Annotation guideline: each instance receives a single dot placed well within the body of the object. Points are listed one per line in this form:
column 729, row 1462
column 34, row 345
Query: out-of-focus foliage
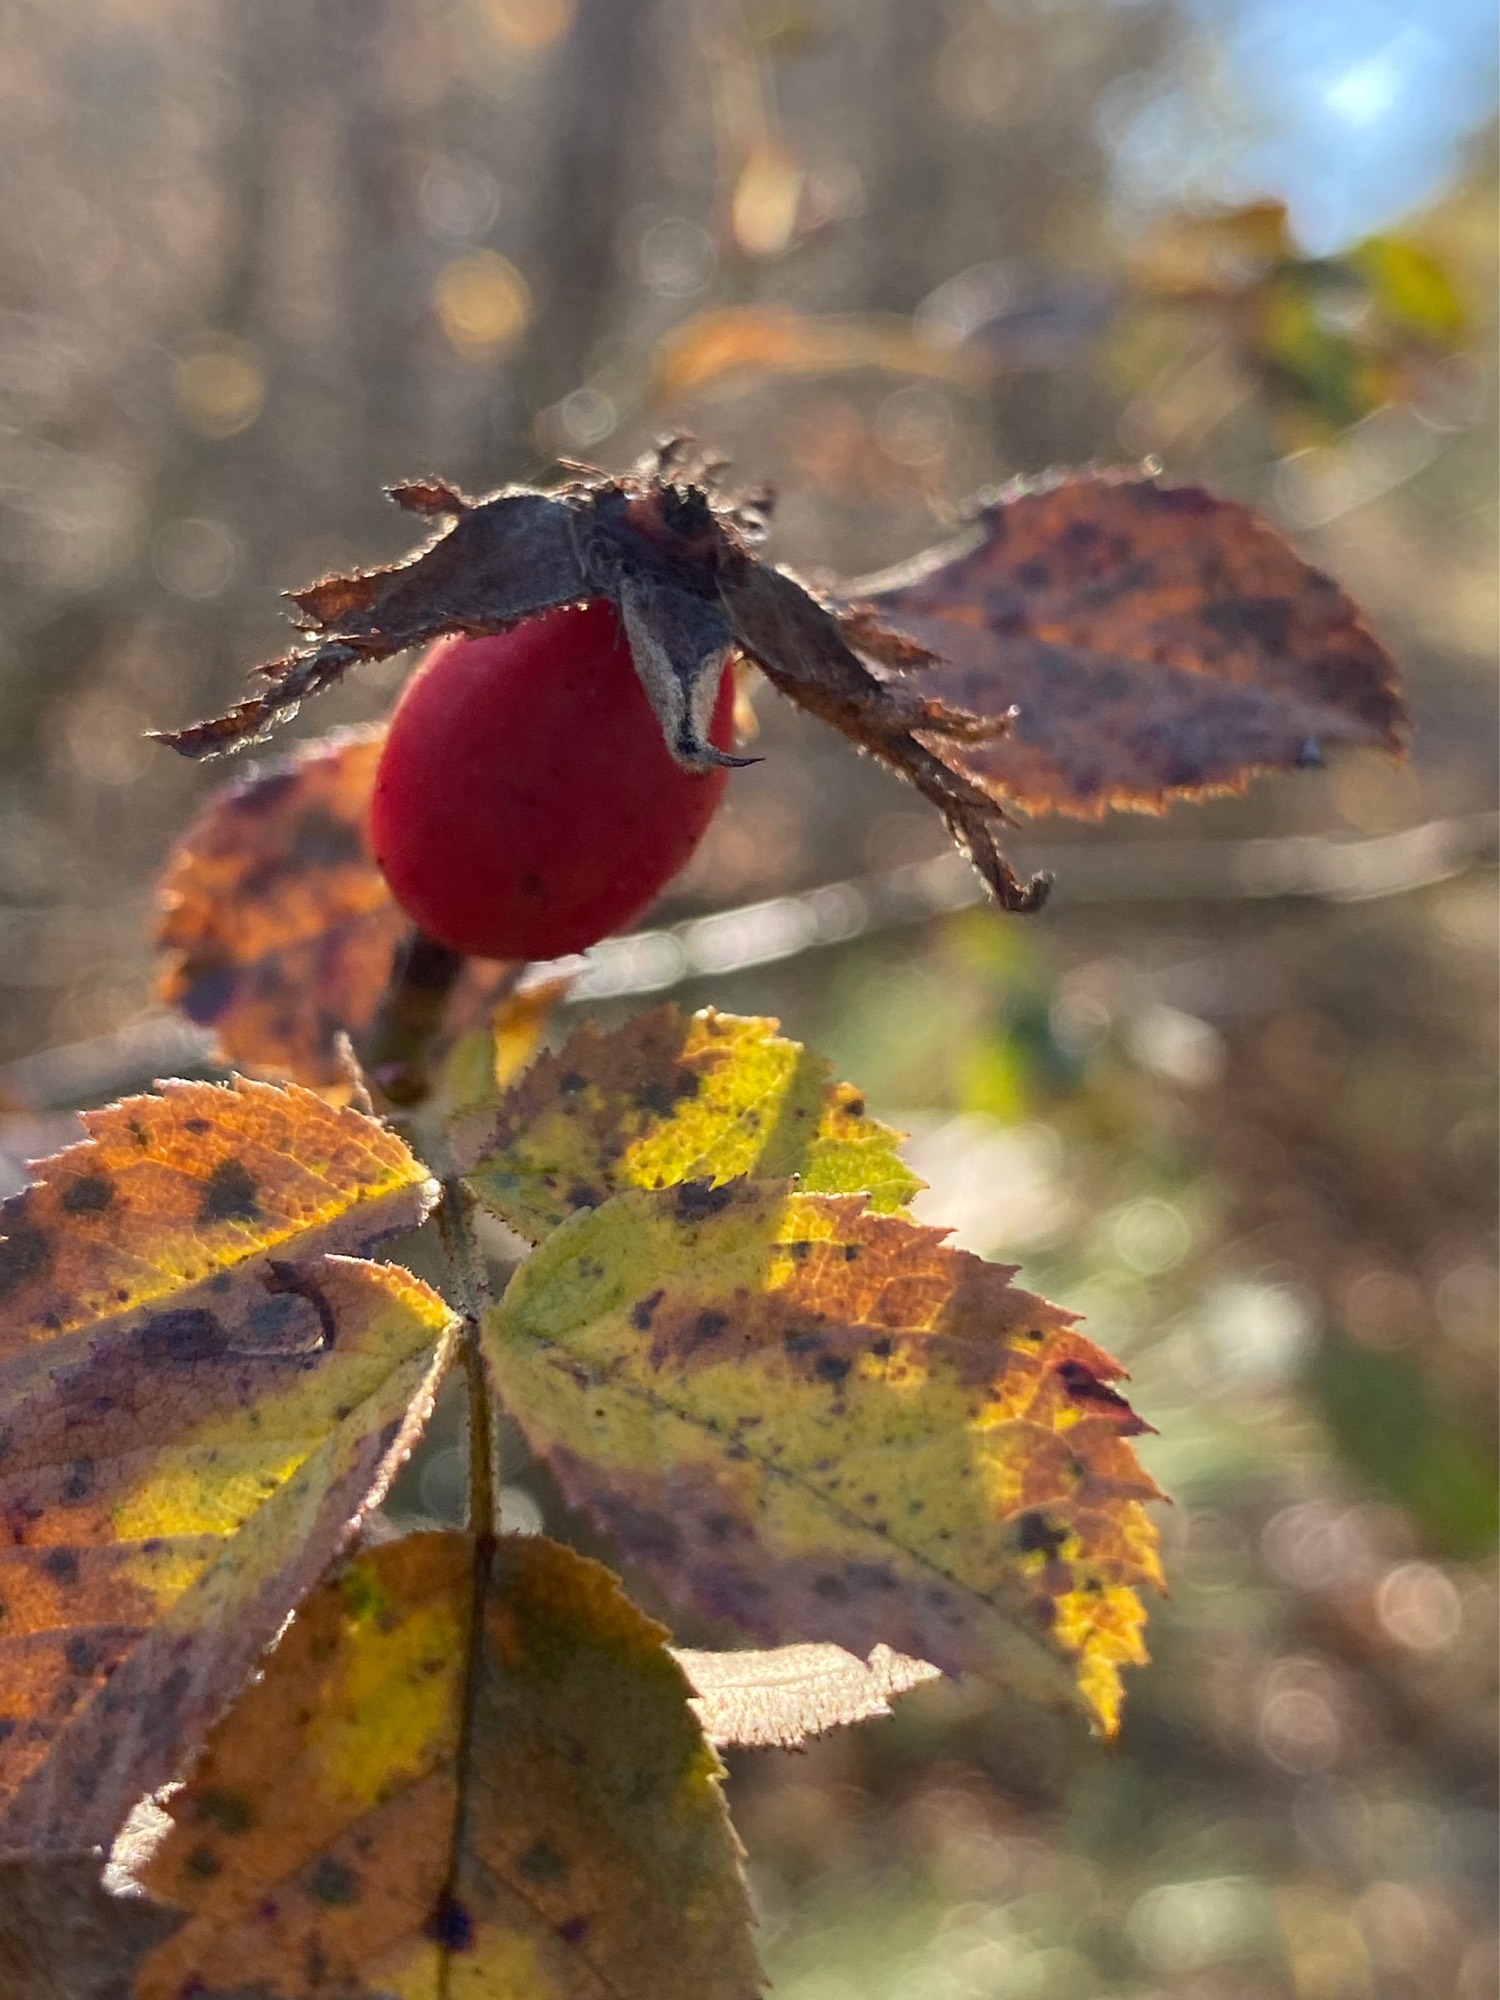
column 257, row 260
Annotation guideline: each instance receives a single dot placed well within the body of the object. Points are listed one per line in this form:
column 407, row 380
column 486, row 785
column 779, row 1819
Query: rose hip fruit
column 526, row 804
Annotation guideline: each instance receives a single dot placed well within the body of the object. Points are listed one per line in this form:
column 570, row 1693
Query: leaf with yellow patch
column 669, row 1098
column 404, row 1805
column 197, row 1399
column 823, row 1423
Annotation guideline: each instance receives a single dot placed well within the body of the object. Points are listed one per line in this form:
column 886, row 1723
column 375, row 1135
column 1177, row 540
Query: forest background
column 1232, row 1094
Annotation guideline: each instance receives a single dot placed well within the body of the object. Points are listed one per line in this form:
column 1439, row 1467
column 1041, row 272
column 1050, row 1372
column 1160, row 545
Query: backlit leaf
column 196, row 1401
column 825, row 1424
column 65, row 1936
column 1156, row 642
column 352, row 1829
column 277, row 927
column 778, row 1699
column 750, row 342
column 670, row 1097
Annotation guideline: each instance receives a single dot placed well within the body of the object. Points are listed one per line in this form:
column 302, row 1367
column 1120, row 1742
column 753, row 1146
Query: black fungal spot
column 196, row 1125
column 831, row 1368
column 451, row 1925
column 581, row 1195
column 61, row 1565
column 643, row 1310
column 24, row 1254
column 203, row 1864
column 231, row 1194
column 1035, row 1533
column 574, row 1931
column 82, row 1657
column 333, row 1884
column 88, row 1194
column 708, row 1326
column 800, row 1341
column 80, row 1480
column 853, row 1251
column 180, row 1338
column 883, row 1348
column 697, row 1200
column 542, row 1863
column 229, row 1810
column 572, row 1083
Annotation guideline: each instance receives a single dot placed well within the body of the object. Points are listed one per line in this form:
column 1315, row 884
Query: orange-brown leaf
column 278, row 927
column 196, row 1401
column 391, row 1809
column 1156, row 641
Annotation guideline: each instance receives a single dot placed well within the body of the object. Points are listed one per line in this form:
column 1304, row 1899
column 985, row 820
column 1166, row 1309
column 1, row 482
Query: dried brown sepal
column 1155, row 641
column 1151, row 642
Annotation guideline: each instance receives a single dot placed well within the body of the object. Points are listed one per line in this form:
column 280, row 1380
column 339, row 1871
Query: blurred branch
column 1299, row 867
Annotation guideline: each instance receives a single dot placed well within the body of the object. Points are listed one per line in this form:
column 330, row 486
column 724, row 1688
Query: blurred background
column 1232, row 1095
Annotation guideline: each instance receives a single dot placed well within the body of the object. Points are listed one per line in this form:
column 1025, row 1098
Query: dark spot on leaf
column 179, row 1338
column 698, row 1200
column 24, row 1254
column 333, row 1884
column 1035, row 1533
column 542, row 1863
column 718, row 1527
column 1265, row 620
column 574, row 1931
column 211, row 993
column 62, row 1565
column 451, row 1926
column 231, row 1195
column 832, row 1587
column 641, row 1312
column 1084, row 1385
column 203, row 1864
column 82, row 1657
column 800, row 1341
column 572, row 1083
column 853, row 1252
column 229, row 1810
column 80, row 1480
column 883, row 1348
column 831, row 1368
column 88, row 1194
column 196, row 1125
column 581, row 1195
column 855, row 1107
column 708, row 1326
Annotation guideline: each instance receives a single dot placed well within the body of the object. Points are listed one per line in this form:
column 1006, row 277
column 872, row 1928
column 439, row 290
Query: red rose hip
column 525, row 804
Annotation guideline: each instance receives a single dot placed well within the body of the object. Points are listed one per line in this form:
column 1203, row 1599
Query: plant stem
column 471, row 1285
column 422, row 979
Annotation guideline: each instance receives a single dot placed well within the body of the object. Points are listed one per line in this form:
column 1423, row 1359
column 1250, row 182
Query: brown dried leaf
column 278, row 928
column 394, row 1809
column 197, row 1399
column 778, row 1699
column 823, row 1423
column 1155, row 642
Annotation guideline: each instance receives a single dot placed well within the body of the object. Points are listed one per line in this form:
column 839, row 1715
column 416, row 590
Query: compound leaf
column 196, row 1401
column 1156, row 642
column 822, row 1423
column 668, row 1098
column 403, row 1805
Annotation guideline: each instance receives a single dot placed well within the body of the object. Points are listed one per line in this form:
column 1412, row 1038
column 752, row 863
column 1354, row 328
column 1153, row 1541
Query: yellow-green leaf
column 384, row 1813
column 196, row 1401
column 822, row 1423
column 669, row 1098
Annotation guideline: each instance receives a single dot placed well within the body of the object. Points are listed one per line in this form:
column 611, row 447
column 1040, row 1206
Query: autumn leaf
column 1155, row 642
column 403, row 1805
column 778, row 1699
column 670, row 1097
column 824, row 1424
column 277, row 927
column 759, row 340
column 197, row 1399
column 65, row 1936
